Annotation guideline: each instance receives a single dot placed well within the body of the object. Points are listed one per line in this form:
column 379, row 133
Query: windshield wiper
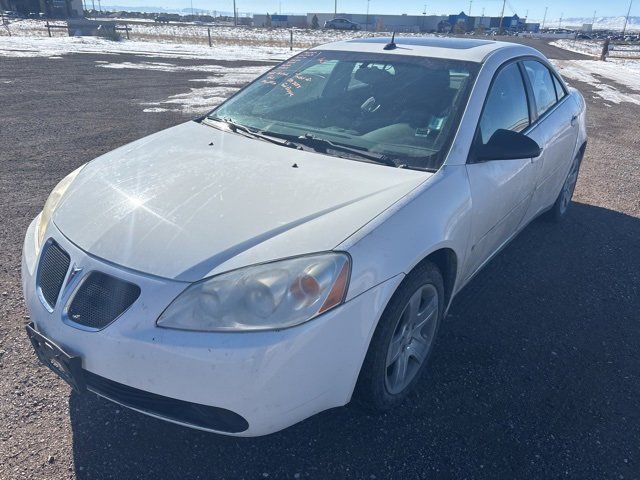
column 420, row 169
column 322, row 145
column 248, row 132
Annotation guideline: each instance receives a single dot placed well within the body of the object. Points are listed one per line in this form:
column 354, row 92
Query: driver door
column 501, row 190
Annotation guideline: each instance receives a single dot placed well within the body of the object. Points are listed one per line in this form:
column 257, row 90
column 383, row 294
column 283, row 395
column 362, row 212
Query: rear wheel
column 401, row 345
column 561, row 205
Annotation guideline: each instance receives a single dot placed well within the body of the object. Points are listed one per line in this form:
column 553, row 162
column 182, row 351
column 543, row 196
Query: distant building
column 50, row 8
column 275, row 20
column 462, row 22
column 532, row 27
column 384, row 23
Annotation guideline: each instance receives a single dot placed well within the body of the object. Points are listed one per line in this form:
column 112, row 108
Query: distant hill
column 602, row 23
column 151, row 9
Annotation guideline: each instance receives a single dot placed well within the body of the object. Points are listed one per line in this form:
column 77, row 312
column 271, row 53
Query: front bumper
column 272, row 379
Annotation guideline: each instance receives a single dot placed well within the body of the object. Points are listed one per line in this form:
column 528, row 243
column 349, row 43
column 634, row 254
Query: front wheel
column 403, row 340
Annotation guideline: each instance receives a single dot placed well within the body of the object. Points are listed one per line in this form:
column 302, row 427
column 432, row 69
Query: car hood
column 192, row 201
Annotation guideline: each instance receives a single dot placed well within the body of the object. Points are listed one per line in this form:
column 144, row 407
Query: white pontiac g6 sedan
column 298, row 246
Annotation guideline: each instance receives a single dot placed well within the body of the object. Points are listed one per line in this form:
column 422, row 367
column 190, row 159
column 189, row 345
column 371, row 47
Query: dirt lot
column 536, row 373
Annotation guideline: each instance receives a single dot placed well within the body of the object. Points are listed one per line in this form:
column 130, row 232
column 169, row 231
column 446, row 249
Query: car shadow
column 535, row 374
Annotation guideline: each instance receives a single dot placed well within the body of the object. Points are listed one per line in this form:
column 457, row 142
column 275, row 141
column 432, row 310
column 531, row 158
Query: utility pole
column 335, row 8
column 470, row 3
column 544, row 18
column 560, row 21
column 501, row 30
column 368, row 1
column 594, row 19
column 235, row 14
column 192, row 8
column 626, row 19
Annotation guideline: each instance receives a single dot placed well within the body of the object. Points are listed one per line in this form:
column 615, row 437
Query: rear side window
column 506, row 106
column 560, row 93
column 542, row 84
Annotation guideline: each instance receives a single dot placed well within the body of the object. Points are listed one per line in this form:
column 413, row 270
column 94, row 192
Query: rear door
column 501, row 190
column 555, row 129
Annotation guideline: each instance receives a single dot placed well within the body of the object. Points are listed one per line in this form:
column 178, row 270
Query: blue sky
column 569, row 8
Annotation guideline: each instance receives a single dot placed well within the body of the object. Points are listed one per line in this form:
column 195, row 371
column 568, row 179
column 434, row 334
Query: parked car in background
column 299, row 246
column 341, row 24
column 11, row 14
column 162, row 19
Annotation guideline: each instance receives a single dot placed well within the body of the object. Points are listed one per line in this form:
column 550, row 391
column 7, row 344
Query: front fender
column 434, row 216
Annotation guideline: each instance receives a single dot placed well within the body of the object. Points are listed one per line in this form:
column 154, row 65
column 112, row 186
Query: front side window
column 506, row 105
column 544, row 90
column 403, row 108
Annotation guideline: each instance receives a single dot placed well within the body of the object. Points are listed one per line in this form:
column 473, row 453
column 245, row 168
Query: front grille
column 100, row 299
column 194, row 414
column 54, row 264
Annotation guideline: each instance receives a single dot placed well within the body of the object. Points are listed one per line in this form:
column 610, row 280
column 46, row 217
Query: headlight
column 52, row 202
column 263, row 297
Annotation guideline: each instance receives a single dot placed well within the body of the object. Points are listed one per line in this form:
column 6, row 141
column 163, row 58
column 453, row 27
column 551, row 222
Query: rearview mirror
column 507, row 145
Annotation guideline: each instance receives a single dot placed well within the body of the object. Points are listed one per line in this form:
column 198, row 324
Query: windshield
column 400, row 108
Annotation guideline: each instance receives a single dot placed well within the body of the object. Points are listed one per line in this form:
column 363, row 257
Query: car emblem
column 75, row 270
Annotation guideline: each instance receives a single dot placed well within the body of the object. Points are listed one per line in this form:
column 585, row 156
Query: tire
column 379, row 387
column 560, row 207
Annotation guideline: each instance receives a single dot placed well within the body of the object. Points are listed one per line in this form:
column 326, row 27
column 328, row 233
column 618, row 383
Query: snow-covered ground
column 594, row 48
column 197, row 34
column 17, row 46
column 209, row 92
column 601, row 23
column 608, row 79
column 218, row 82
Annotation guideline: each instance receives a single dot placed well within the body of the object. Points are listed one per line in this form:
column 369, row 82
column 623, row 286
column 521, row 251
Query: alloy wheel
column 412, row 338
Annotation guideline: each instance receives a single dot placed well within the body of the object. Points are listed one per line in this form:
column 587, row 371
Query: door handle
column 573, row 120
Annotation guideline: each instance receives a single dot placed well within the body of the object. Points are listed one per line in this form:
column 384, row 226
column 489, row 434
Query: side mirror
column 507, row 145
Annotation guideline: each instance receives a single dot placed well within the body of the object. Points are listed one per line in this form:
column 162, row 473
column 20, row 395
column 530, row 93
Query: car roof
column 468, row 49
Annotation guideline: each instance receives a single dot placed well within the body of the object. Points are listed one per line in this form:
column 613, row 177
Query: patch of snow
column 47, row 47
column 224, row 82
column 157, row 110
column 197, row 101
column 251, row 72
column 595, row 73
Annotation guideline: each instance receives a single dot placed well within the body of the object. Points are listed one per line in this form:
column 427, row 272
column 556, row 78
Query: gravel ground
column 536, row 373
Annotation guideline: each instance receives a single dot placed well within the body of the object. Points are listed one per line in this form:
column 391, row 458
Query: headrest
column 438, row 80
column 372, row 75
